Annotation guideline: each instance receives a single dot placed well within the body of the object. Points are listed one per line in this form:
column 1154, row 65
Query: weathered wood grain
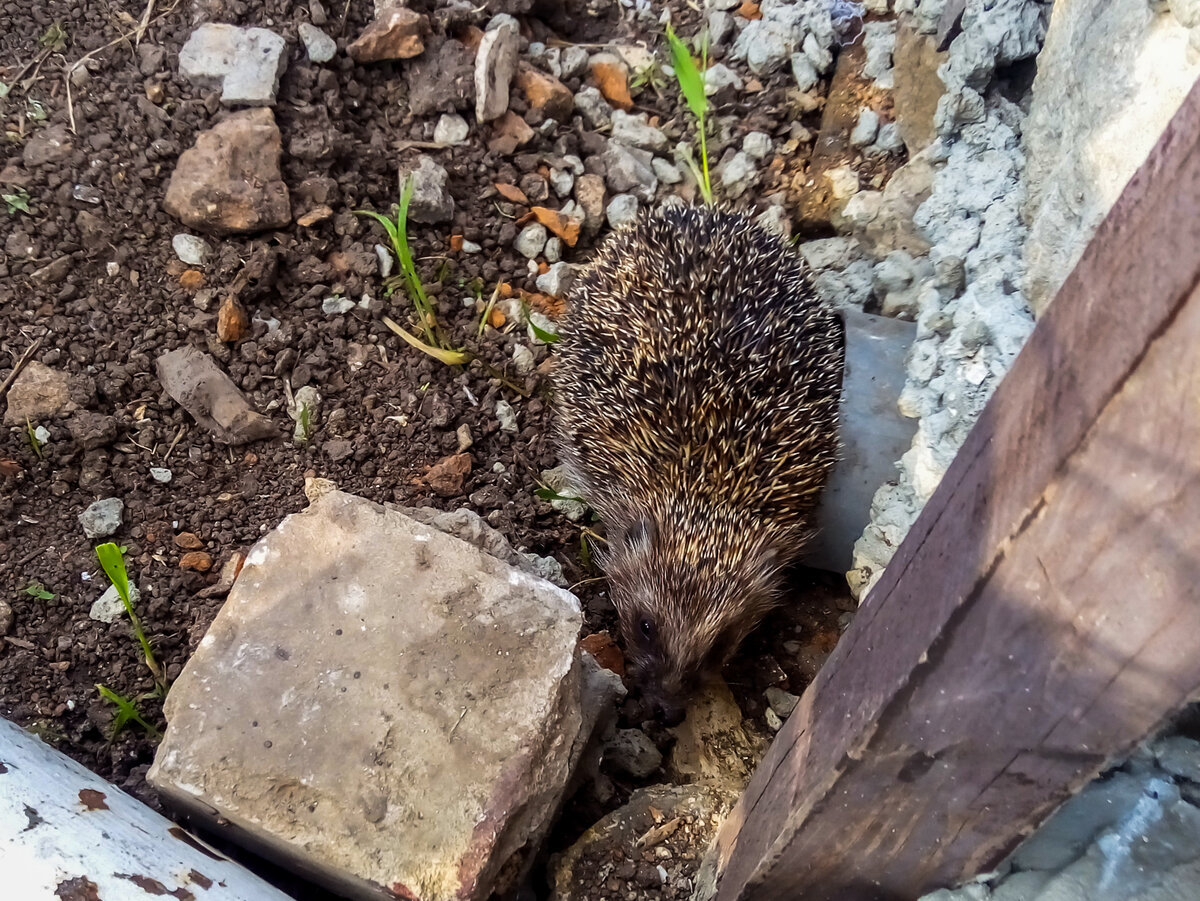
column 1040, row 618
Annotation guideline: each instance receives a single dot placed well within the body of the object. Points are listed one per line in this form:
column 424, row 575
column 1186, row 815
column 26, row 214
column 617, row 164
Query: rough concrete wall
column 1110, row 76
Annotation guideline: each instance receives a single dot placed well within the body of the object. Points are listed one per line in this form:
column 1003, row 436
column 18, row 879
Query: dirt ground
column 117, row 297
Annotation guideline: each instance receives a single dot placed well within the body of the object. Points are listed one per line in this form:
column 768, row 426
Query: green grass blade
column 691, row 82
column 112, row 561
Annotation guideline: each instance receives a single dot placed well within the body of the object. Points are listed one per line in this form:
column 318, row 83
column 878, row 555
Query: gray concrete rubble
column 1132, row 835
column 384, row 705
column 245, row 63
column 972, row 317
column 1109, row 80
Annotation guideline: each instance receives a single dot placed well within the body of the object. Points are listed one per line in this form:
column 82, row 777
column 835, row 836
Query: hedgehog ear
column 638, row 536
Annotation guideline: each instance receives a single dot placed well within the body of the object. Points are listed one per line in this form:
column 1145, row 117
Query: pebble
column 573, row 61
column 622, row 210
column 628, row 171
column 495, row 65
column 556, row 280
column 395, row 33
column 819, row 56
column 103, row 517
column 471, row 247
column 738, row 174
column 774, row 723
column 506, row 416
column 782, row 702
column 632, row 752
column 668, row 173
column 336, row 305
column 867, row 127
column 718, row 77
column 763, row 48
column 463, row 432
column 531, row 240
column 108, row 608
column 636, row 131
column 523, row 360
column 386, row 261
column 757, row 145
column 431, row 200
column 190, row 249
column 160, row 475
column 593, row 107
column 6, row 618
column 244, row 62
column 1179, row 756
column 804, row 72
column 451, row 129
column 319, row 46
column 888, row 140
column 719, row 24
column 553, row 250
column 562, row 181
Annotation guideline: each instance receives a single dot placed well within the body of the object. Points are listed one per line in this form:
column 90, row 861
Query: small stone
column 545, row 92
column 47, row 146
column 91, row 430
column 556, row 280
column 319, row 46
column 509, row 132
column 197, row 561
column 315, row 216
column 506, row 416
column 41, row 392
column 622, row 210
column 160, row 475
column 385, row 259
column 244, row 62
column 593, row 107
column 336, row 305
column 196, row 383
column 757, row 145
column 431, row 201
column 589, row 194
column 471, row 247
column 397, row 32
column 819, row 56
column 804, row 72
column 108, row 608
column 451, row 129
column 1179, row 756
column 523, row 359
column 719, row 25
column 446, row 477
column 553, row 250
column 868, row 126
column 889, row 140
column 229, row 181
column 774, row 723
column 782, row 702
column 103, row 517
column 667, row 173
column 495, row 64
column 6, row 618
column 738, row 174
column 188, row 541
column 562, row 181
column 633, row 753
column 531, row 240
column 629, row 170
column 233, row 323
column 636, row 131
column 612, row 78
column 463, row 434
column 190, row 249
column 719, row 77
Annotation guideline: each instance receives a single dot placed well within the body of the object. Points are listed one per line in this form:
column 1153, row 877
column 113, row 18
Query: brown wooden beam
column 1043, row 614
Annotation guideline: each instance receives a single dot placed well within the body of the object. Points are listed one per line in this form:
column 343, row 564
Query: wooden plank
column 66, row 833
column 953, row 597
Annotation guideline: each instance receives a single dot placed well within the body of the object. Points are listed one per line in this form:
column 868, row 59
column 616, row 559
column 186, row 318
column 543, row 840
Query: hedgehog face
column 680, row 621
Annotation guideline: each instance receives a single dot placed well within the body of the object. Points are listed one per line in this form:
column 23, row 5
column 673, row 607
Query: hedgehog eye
column 646, row 628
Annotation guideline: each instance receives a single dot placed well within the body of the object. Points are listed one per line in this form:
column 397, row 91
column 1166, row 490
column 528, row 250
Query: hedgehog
column 696, row 387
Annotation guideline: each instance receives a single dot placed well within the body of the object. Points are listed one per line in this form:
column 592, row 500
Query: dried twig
column 144, row 23
column 16, row 370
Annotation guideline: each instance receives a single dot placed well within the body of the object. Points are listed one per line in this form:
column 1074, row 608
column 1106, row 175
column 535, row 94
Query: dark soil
column 118, row 297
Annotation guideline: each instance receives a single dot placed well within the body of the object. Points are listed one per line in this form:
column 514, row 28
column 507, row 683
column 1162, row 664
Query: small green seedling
column 305, row 430
column 691, row 85
column 38, row 590
column 538, row 332
column 16, row 202
column 112, row 560
column 397, row 232
column 36, row 111
column 34, row 442
column 127, row 713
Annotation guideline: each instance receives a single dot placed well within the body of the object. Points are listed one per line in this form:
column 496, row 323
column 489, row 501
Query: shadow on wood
column 1043, row 614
